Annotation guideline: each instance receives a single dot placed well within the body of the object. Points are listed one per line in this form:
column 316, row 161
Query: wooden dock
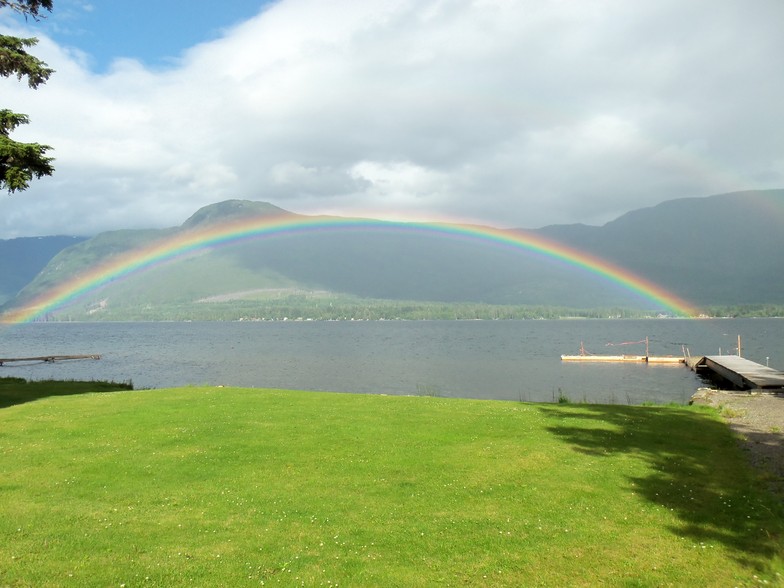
column 667, row 359
column 742, row 373
column 46, row 358
column 647, row 358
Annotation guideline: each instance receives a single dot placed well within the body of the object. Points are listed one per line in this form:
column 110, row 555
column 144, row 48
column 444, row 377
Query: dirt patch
column 757, row 418
column 263, row 293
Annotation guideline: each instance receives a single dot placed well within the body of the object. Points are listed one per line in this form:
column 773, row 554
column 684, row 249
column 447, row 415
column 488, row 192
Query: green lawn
column 18, row 390
column 239, row 487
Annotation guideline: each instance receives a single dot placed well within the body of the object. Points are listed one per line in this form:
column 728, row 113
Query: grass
column 236, row 487
column 729, row 412
column 18, row 390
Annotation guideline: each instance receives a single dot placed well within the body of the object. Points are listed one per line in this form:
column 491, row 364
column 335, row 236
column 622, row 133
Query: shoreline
column 757, row 419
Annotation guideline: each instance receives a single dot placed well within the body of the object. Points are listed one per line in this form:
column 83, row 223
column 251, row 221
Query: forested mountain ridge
column 724, row 249
column 719, row 250
column 22, row 258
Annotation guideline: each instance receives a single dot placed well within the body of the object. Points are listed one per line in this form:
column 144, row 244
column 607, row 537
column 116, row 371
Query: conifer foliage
column 21, row 162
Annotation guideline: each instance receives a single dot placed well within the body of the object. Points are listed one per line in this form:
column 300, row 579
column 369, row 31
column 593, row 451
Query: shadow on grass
column 18, row 390
column 697, row 473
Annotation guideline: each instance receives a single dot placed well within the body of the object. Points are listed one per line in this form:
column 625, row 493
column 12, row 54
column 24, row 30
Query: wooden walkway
column 623, row 358
column 742, row 373
column 47, row 358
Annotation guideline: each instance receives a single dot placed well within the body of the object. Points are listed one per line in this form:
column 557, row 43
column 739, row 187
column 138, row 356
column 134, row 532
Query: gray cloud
column 512, row 113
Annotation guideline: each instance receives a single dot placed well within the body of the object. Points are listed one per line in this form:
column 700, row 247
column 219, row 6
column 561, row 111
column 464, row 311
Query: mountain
column 232, row 210
column 21, row 259
column 725, row 249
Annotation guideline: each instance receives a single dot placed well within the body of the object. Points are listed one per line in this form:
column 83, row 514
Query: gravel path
column 758, row 420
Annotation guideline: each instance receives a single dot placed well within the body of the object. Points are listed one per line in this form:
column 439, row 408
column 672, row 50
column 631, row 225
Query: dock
column 739, row 372
column 647, row 358
column 47, row 358
column 667, row 359
column 742, row 373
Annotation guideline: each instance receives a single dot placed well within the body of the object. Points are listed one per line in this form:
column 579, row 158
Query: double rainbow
column 224, row 234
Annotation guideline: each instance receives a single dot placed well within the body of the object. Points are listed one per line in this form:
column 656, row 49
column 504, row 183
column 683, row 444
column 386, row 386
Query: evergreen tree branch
column 21, row 162
column 14, row 60
column 27, row 8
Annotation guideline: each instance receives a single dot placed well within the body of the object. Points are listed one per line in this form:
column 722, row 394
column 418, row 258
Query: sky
column 511, row 113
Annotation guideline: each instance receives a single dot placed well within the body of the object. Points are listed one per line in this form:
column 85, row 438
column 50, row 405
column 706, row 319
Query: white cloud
column 511, row 113
column 401, row 185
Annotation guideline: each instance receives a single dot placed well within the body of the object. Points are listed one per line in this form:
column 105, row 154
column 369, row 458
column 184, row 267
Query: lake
column 503, row 360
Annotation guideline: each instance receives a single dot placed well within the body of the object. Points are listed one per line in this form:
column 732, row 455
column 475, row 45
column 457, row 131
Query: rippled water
column 507, row 360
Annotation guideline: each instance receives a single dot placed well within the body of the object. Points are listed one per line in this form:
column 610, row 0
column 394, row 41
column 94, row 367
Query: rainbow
column 187, row 242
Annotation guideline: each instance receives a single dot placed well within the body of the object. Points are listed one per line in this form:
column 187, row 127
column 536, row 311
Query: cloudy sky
column 514, row 113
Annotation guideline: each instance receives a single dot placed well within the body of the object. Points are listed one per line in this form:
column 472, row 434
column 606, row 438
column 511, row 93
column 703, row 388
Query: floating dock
column 647, row 358
column 47, row 358
column 742, row 373
column 625, row 358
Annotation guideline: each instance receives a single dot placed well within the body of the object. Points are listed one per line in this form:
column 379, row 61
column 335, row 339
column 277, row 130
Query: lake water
column 505, row 360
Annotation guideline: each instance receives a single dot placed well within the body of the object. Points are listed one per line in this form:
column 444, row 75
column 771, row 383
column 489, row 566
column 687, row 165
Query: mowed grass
column 18, row 390
column 239, row 487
